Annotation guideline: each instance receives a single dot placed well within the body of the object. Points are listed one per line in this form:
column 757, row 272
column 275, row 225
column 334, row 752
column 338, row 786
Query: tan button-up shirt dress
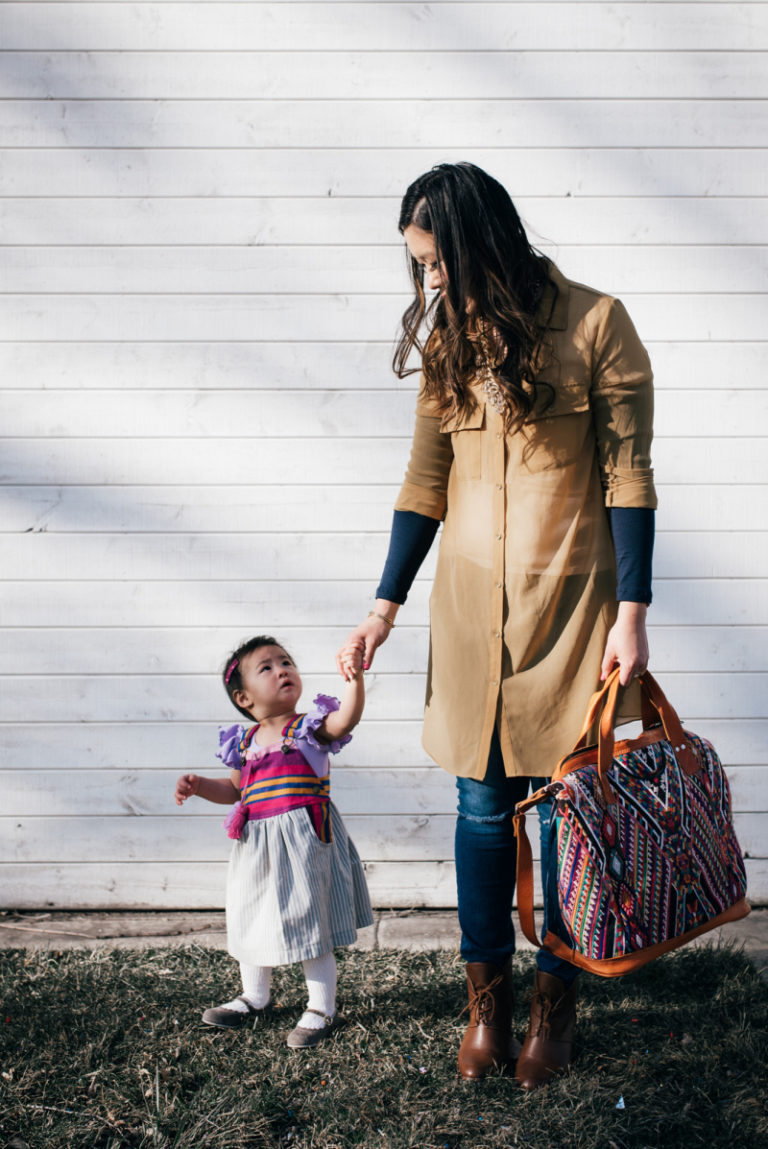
column 525, row 588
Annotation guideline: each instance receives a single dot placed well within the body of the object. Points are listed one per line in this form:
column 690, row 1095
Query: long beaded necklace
column 485, row 365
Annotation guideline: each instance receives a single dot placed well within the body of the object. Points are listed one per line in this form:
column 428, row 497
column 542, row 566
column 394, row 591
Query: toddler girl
column 295, row 886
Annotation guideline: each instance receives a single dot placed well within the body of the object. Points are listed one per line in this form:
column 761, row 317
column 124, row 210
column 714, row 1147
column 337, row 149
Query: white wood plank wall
column 201, row 435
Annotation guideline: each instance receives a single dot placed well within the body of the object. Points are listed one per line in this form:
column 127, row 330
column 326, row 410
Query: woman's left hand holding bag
column 627, row 643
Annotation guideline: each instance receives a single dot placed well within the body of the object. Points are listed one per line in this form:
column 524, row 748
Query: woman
column 531, row 442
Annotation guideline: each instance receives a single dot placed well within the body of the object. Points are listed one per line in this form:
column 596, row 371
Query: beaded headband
column 230, row 670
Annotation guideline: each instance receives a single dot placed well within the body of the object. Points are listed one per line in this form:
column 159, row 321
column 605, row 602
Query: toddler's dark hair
column 230, row 675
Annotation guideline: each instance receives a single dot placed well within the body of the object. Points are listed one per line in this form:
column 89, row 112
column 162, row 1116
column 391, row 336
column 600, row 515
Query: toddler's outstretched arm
column 342, row 721
column 223, row 791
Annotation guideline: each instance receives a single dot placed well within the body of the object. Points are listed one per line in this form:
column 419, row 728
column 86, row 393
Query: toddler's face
column 271, row 683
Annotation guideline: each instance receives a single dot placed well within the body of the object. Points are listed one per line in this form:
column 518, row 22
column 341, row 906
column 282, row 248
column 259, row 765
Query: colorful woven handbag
column 642, row 833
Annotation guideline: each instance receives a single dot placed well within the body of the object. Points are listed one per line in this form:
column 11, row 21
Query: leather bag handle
column 594, row 707
column 602, row 702
column 649, row 714
column 673, row 729
column 654, row 701
column 525, row 865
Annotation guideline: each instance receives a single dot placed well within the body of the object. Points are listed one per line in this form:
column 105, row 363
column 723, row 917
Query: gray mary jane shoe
column 233, row 1018
column 301, row 1038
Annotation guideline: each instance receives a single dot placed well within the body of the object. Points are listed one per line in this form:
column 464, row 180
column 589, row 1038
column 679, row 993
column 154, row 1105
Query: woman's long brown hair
column 492, row 274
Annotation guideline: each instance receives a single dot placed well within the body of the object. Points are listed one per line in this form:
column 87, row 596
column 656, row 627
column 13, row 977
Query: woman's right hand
column 366, row 637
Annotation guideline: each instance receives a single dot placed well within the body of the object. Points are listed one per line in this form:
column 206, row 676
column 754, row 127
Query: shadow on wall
column 217, row 562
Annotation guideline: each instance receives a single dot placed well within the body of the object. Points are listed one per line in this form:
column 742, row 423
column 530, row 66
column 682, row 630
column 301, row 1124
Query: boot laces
column 482, row 1003
column 545, row 1004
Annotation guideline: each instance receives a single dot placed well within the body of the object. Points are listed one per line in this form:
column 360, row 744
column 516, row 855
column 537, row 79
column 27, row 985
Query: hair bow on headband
column 230, row 670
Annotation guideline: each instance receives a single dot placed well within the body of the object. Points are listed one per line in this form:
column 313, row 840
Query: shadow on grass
column 105, row 1049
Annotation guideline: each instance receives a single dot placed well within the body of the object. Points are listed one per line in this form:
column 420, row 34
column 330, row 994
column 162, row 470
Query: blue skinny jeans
column 486, row 866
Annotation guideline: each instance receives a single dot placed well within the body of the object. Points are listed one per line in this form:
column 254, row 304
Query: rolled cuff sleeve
column 426, row 479
column 630, row 488
column 622, row 404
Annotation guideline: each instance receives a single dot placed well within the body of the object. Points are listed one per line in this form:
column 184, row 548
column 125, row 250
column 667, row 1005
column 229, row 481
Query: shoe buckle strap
column 328, row 1020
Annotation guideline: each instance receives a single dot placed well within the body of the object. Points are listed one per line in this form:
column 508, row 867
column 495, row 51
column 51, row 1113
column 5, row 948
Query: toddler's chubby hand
column 186, row 786
column 351, row 660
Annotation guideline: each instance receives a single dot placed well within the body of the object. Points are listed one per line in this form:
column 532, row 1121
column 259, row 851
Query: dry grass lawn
column 105, row 1050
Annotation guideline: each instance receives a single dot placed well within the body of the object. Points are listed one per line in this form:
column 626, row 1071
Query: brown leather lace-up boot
column 486, row 1042
column 549, row 1040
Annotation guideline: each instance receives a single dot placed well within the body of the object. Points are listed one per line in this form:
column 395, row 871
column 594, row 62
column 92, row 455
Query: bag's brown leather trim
column 616, row 967
column 588, row 756
column 525, row 878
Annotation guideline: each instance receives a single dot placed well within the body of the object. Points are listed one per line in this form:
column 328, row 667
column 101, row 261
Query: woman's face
column 421, row 245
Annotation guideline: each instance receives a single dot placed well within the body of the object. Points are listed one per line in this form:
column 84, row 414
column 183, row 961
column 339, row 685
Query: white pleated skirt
column 290, row 896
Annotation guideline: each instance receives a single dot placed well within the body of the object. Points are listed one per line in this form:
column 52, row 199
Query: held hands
column 627, row 643
column 368, row 636
column 350, row 659
column 186, row 786
column 341, row 722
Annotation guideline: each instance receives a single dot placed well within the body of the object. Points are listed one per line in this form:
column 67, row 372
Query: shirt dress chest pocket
column 467, row 440
column 554, row 436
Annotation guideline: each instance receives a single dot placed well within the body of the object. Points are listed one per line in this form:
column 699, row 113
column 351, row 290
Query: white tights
column 320, row 975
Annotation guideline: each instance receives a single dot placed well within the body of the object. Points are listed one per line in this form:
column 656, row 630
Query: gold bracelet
column 389, row 621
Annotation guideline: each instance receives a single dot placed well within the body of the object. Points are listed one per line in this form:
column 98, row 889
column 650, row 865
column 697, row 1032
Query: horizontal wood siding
column 201, row 434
